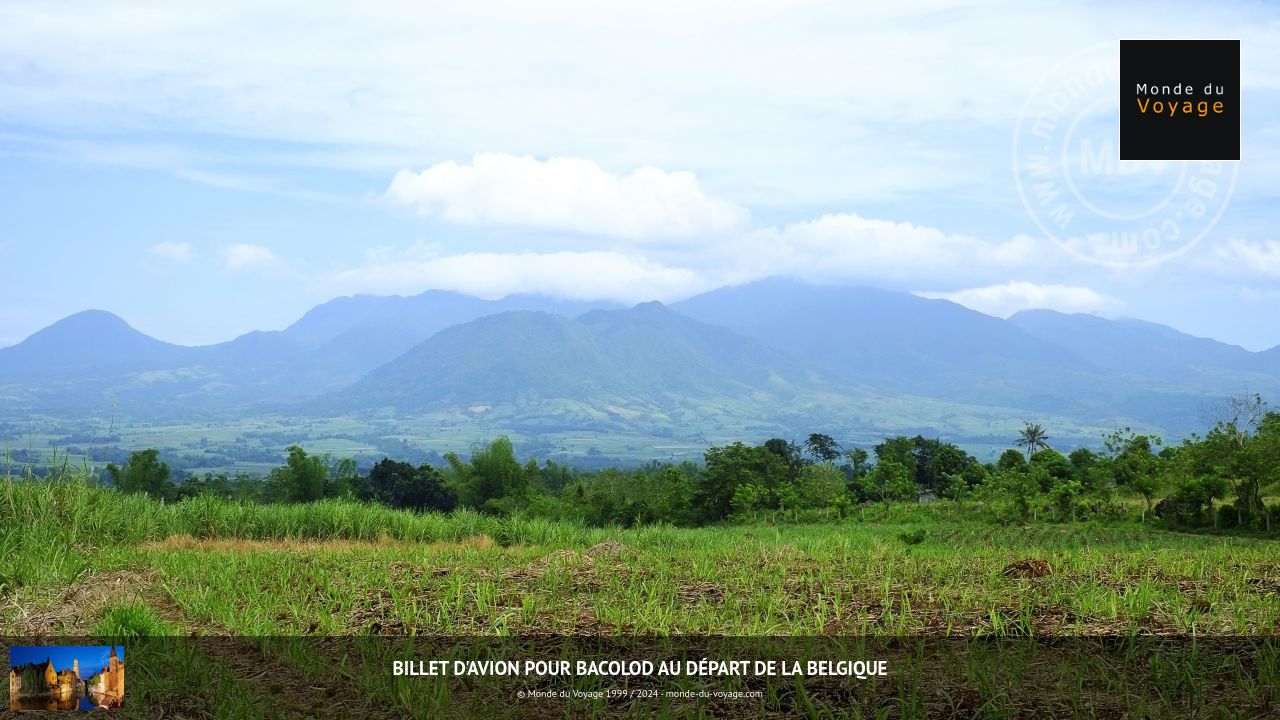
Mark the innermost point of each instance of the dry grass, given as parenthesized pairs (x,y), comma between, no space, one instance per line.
(73,610)
(1028,568)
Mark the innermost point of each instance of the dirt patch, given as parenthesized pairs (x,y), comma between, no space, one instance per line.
(76,608)
(376,616)
(577,566)
(692,593)
(608,549)
(1263,586)
(561,560)
(1027,568)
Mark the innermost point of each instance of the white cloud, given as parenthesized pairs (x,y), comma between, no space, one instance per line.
(807,98)
(592,275)
(1008,298)
(831,248)
(1240,257)
(563,193)
(179,252)
(244,257)
(847,246)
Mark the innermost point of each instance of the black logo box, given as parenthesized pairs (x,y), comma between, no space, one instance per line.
(1187,68)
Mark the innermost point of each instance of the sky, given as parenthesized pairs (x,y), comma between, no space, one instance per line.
(93,658)
(206,169)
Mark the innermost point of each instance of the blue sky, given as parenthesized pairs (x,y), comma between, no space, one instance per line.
(92,657)
(206,169)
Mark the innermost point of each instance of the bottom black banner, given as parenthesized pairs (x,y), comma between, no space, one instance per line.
(674,677)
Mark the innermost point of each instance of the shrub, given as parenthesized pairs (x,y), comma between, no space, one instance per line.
(1227,517)
(914,536)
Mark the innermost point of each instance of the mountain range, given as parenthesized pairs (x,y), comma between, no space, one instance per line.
(774,355)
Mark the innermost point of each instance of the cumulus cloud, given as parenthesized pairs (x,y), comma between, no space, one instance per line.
(832,248)
(179,252)
(244,257)
(568,194)
(1237,256)
(1008,298)
(847,246)
(592,275)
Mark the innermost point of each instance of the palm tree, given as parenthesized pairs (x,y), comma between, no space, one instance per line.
(1033,437)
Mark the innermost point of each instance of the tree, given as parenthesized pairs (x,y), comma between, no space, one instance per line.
(1237,458)
(347,482)
(426,491)
(401,485)
(822,447)
(822,486)
(385,478)
(1192,501)
(954,487)
(1134,465)
(1064,497)
(304,477)
(1248,435)
(1054,468)
(217,485)
(899,450)
(789,452)
(245,487)
(1019,489)
(1033,437)
(493,481)
(893,482)
(859,462)
(937,460)
(1011,460)
(555,476)
(894,454)
(788,499)
(1089,469)
(747,500)
(730,466)
(143,473)
(670,495)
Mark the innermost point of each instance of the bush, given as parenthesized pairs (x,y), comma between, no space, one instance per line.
(914,536)
(1227,517)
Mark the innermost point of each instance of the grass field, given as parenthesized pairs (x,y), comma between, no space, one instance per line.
(741,581)
(85,560)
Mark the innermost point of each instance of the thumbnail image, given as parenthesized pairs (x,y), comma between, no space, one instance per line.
(66,677)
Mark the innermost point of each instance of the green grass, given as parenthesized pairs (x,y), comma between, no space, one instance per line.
(286,573)
(750,581)
(919,573)
(125,621)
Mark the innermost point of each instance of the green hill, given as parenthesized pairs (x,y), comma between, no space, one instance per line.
(645,360)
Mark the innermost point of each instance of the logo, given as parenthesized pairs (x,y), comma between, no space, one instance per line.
(1075,186)
(1180,99)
